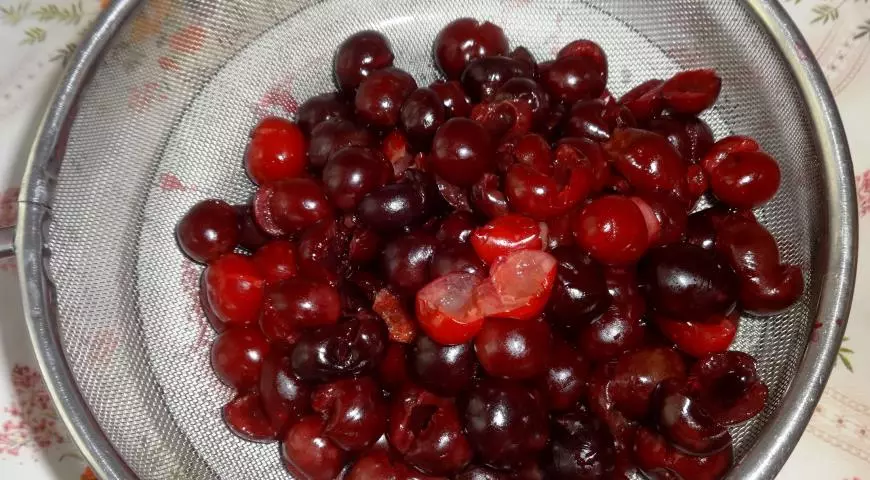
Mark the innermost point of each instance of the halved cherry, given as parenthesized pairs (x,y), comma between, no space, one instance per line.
(692,92)
(645,100)
(235,289)
(446,308)
(276,260)
(519,286)
(745,179)
(400,324)
(684,422)
(652,451)
(278,151)
(505,235)
(700,338)
(728,387)
(245,417)
(724,147)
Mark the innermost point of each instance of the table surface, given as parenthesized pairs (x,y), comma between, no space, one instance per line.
(37,36)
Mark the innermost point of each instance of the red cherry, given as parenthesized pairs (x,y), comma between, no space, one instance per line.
(700,338)
(565,380)
(666,218)
(613,230)
(725,147)
(290,206)
(645,100)
(276,261)
(543,195)
(358,56)
(245,417)
(306,303)
(745,179)
(585,48)
(355,412)
(649,162)
(621,328)
(462,152)
(446,310)
(277,151)
(692,92)
(513,349)
(381,95)
(487,197)
(575,77)
(652,451)
(518,287)
(464,40)
(309,454)
(505,235)
(456,102)
(397,151)
(235,289)
(393,370)
(275,324)
(237,357)
(285,398)
(208,230)
(252,236)
(683,421)
(636,375)
(728,387)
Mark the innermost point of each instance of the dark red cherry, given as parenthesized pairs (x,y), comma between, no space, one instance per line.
(393,370)
(596,119)
(666,218)
(381,95)
(488,198)
(691,136)
(505,118)
(323,250)
(461,152)
(649,162)
(485,76)
(529,91)
(637,374)
(285,397)
(306,303)
(455,259)
(699,339)
(514,349)
(745,179)
(527,58)
(237,357)
(645,100)
(251,235)
(308,453)
(444,369)
(427,431)
(278,327)
(392,207)
(585,48)
(580,293)
(355,411)
(405,261)
(506,422)
(321,108)
(397,150)
(564,382)
(350,347)
(464,40)
(456,102)
(543,195)
(358,56)
(685,423)
(331,136)
(581,448)
(613,230)
(687,282)
(456,228)
(691,92)
(728,387)
(575,77)
(652,452)
(621,328)
(353,172)
(235,289)
(277,151)
(291,205)
(276,260)
(421,116)
(245,417)
(208,230)
(381,465)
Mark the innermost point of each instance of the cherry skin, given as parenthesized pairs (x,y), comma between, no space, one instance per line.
(645,100)
(276,261)
(581,448)
(652,452)
(332,135)
(456,102)
(421,116)
(745,179)
(251,236)
(699,339)
(444,369)
(649,162)
(455,259)
(621,328)
(613,230)
(381,95)
(358,56)
(446,308)
(308,453)
(596,119)
(685,423)
(237,357)
(575,77)
(518,287)
(585,48)
(277,151)
(513,349)
(580,293)
(291,206)
(690,136)
(464,40)
(392,207)
(529,91)
(353,172)
(405,261)
(485,76)
(285,398)
(505,235)
(666,218)
(355,411)
(637,374)
(208,230)
(380,464)
(321,108)
(564,382)
(461,152)
(691,92)
(235,289)
(728,387)
(350,347)
(245,417)
(306,303)
(393,370)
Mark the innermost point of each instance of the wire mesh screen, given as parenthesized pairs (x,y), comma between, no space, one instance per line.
(164,122)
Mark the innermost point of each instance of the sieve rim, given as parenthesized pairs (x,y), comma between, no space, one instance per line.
(772,447)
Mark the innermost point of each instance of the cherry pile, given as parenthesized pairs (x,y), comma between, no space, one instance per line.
(498,276)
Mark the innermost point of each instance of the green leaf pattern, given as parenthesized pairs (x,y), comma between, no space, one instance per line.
(828,11)
(41,17)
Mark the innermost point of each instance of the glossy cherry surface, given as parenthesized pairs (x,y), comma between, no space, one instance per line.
(575,77)
(455,259)
(745,179)
(464,40)
(291,206)
(405,261)
(685,423)
(690,136)
(237,357)
(518,287)
(277,151)
(208,230)
(456,102)
(285,397)
(564,381)
(621,327)
(652,452)
(392,207)
(321,108)
(692,92)
(332,135)
(728,387)
(422,114)
(581,448)
(353,172)
(235,289)
(485,76)
(462,152)
(306,303)
(355,411)
(649,162)
(350,347)
(637,374)
(358,56)
(580,293)
(245,416)
(308,453)
(613,230)
(381,95)
(514,349)
(444,369)
(276,261)
(505,235)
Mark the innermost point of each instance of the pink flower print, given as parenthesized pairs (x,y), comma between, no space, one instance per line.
(862,187)
(8,207)
(30,422)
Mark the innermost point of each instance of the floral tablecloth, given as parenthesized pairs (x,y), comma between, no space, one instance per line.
(37,37)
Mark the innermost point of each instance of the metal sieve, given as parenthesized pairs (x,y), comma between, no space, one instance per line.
(153,113)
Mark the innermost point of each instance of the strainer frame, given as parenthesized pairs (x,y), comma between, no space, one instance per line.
(774,444)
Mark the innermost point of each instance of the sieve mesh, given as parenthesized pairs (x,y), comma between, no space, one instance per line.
(163,124)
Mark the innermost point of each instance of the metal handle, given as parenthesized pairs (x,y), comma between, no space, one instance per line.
(7,239)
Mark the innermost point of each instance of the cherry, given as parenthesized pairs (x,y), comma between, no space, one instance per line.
(572,150)
(392,207)
(666,218)
(529,471)
(358,56)
(426,430)
(745,179)
(645,100)
(653,453)
(505,118)
(332,135)
(485,76)
(235,289)
(575,77)
(687,282)
(251,236)
(506,422)
(379,464)
(216,323)
(421,116)
(290,206)
(596,119)
(585,48)
(505,235)
(690,136)
(277,151)
(580,293)
(513,349)
(400,325)
(600,399)
(637,374)
(461,152)
(323,249)
(533,150)
(237,357)
(309,454)
(545,194)
(725,147)
(208,230)
(245,417)
(284,396)
(455,259)
(649,162)
(564,382)
(306,303)
(350,347)
(276,261)
(445,369)
(528,91)
(700,339)
(728,387)
(518,287)
(685,423)
(353,172)
(405,261)
(621,328)
(456,228)
(456,102)
(487,197)
(321,108)
(393,370)
(464,40)
(380,97)
(525,56)
(355,412)
(613,230)
(276,325)
(446,308)
(581,448)
(691,92)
